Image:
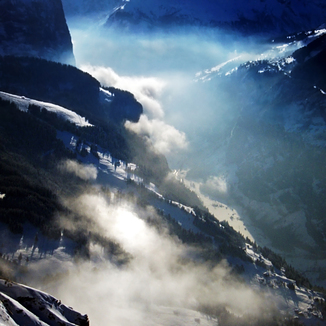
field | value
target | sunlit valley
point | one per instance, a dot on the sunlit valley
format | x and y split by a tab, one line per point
162	163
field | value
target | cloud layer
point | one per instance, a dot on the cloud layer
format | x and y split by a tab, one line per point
83	171
162	273
165	138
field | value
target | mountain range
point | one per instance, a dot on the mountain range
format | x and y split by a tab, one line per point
253	17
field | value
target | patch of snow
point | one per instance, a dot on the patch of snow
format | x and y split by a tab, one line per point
282	48
19	313
255	256
188	209
182	217
106	95
207	74
318	33
289	60
298	301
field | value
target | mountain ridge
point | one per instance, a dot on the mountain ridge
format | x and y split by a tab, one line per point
264	17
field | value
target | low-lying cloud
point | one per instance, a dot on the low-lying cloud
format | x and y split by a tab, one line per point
147	90
162	278
165	138
83	171
215	186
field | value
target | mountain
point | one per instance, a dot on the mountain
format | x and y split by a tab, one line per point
253	17
35	28
272	147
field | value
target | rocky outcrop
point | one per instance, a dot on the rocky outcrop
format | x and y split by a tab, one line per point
35	28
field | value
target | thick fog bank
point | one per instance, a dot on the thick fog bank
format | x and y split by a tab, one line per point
161	279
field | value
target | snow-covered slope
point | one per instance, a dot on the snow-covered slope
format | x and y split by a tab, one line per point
249	17
22	305
23	102
28	306
277	58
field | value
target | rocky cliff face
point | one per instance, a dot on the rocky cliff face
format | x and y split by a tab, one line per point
35	28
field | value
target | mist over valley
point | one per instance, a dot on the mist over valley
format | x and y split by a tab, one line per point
212	105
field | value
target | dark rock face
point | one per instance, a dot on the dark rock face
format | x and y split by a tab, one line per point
251	17
35	28
124	106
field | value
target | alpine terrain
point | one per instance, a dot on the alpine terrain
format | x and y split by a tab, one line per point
168	169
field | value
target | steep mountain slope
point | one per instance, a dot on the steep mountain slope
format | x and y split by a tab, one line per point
35	28
252	17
